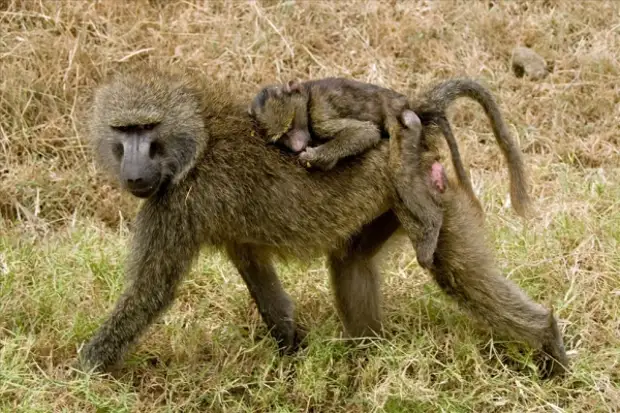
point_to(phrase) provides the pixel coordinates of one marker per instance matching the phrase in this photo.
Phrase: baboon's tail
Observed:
(432, 109)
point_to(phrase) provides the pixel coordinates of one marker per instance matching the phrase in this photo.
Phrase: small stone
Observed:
(525, 61)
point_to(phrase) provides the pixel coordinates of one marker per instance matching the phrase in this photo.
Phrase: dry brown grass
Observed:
(53, 52)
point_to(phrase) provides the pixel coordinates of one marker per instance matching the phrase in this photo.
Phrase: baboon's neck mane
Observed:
(226, 116)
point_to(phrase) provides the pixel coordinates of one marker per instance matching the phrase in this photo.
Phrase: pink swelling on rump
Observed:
(437, 176)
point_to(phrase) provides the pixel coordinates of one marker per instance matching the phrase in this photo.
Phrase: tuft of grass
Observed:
(64, 228)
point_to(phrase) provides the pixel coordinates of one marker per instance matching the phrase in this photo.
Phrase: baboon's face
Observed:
(139, 153)
(283, 115)
(146, 133)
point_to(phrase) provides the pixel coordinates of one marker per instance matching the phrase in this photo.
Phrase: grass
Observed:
(63, 228)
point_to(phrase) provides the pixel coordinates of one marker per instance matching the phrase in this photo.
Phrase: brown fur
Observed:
(236, 193)
(418, 205)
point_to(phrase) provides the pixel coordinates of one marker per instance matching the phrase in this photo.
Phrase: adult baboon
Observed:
(186, 148)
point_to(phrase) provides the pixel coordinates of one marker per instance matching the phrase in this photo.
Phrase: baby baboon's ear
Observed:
(292, 86)
(277, 91)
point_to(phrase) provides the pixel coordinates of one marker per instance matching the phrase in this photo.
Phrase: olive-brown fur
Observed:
(350, 117)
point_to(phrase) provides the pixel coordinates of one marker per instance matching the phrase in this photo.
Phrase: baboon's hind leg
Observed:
(356, 281)
(464, 268)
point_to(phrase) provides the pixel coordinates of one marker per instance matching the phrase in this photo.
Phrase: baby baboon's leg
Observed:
(412, 180)
(464, 268)
(274, 304)
(347, 137)
(356, 281)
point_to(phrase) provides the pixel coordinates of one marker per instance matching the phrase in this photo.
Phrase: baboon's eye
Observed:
(156, 148)
(137, 128)
(118, 150)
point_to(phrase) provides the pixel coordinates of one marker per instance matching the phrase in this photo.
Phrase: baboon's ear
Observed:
(292, 86)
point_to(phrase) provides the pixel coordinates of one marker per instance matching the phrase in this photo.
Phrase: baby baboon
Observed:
(350, 115)
(186, 147)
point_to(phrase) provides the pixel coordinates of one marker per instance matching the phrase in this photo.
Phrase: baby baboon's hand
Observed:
(307, 157)
(313, 157)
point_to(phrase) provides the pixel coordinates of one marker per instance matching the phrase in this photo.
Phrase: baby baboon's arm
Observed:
(348, 137)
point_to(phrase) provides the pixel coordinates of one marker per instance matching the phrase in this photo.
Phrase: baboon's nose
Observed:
(137, 182)
(139, 186)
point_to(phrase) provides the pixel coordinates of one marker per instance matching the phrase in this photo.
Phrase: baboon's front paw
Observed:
(95, 358)
(291, 341)
(300, 338)
(554, 360)
(548, 367)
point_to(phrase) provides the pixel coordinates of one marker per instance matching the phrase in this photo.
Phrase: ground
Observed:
(64, 228)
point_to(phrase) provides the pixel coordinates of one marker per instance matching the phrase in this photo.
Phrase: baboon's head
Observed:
(281, 111)
(147, 129)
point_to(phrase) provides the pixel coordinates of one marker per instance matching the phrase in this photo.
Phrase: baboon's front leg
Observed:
(274, 304)
(158, 260)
